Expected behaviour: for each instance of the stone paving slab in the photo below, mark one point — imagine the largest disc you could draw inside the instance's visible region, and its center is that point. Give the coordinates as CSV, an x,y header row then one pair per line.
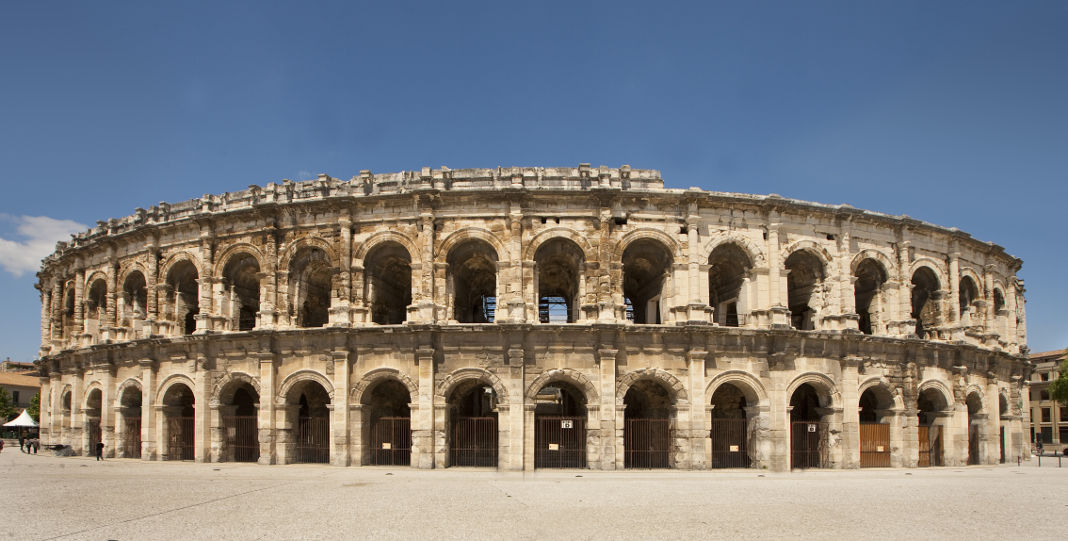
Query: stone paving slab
x,y
79,498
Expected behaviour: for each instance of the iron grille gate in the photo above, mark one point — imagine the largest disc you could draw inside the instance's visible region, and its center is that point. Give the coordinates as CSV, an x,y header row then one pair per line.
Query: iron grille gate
x,y
647,443
474,442
874,445
973,444
131,438
559,442
808,444
242,436
313,440
730,448
391,442
95,436
930,445
1001,441
180,438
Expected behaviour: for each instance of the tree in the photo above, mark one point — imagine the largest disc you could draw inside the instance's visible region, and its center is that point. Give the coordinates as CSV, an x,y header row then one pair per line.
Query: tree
x,y
1058,388
8,410
35,407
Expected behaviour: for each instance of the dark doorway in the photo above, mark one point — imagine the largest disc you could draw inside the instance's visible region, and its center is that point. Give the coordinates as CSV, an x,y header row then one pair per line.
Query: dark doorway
x,y
808,430
473,425
729,431
647,426
559,427
387,416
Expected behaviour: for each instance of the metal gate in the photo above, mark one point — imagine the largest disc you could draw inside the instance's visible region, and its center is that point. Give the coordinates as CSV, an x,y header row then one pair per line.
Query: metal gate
x,y
647,443
730,448
391,442
808,444
559,442
1002,442
131,438
95,436
973,444
313,440
242,436
474,442
180,438
874,445
930,446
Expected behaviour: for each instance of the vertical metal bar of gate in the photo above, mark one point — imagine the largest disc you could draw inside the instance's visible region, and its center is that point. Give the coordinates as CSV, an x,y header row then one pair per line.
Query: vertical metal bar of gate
x,y
874,445
180,438
930,443
474,442
242,437
808,444
730,448
559,442
313,440
1002,442
647,443
131,444
391,442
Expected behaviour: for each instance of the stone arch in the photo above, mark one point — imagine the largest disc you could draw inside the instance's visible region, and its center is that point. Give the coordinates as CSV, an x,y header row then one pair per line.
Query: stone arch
x,y
378,375
756,255
471,233
294,248
174,259
94,385
812,247
126,384
129,267
224,388
649,233
822,383
882,386
939,386
169,382
64,396
975,276
933,266
233,251
380,237
568,233
566,375
748,384
461,375
976,390
96,275
301,376
879,257
677,389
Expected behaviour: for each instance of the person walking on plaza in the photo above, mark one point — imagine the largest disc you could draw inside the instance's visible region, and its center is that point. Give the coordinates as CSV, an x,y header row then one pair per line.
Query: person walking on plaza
x,y
100,450
1,444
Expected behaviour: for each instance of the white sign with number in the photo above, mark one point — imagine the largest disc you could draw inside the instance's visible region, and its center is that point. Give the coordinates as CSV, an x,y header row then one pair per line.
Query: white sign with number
x,y
567,423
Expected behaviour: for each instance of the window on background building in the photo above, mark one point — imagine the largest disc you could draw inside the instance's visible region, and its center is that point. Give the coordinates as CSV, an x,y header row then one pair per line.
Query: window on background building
x,y
15,397
1046,415
1044,376
1047,434
1063,434
1043,395
1064,414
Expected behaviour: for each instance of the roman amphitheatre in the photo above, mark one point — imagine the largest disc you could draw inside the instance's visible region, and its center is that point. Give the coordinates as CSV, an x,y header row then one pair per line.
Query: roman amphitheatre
x,y
530,318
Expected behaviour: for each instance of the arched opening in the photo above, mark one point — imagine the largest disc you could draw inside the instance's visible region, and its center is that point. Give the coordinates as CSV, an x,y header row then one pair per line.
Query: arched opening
x,y
68,312
472,418
241,281
1003,414
975,424
96,304
803,281
999,301
646,269
559,427
130,413
64,406
647,431
558,277
730,428
240,422
809,430
134,298
310,284
387,425
925,302
473,280
308,411
388,268
931,407
93,412
967,293
875,415
728,269
183,303
870,277
178,411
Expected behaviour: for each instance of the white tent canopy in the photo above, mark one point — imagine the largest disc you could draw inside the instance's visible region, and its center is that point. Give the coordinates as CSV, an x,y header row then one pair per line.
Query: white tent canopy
x,y
23,419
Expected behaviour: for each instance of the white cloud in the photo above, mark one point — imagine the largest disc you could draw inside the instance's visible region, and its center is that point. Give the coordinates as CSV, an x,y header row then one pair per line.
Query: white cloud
x,y
36,238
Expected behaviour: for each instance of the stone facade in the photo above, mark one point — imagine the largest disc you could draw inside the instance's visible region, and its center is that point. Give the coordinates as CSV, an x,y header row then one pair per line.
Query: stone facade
x,y
484,308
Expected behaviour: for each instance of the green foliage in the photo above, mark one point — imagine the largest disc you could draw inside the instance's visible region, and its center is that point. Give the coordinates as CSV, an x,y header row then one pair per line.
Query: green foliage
x,y
1058,388
35,407
8,411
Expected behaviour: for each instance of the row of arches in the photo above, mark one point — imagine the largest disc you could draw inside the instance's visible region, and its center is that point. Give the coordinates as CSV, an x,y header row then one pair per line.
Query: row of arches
x,y
649,409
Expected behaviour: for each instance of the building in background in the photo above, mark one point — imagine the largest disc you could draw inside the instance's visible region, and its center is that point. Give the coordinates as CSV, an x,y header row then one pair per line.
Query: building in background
x,y
1049,418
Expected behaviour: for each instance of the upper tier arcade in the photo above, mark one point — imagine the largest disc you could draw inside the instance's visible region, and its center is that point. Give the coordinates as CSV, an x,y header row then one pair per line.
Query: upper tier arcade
x,y
522,246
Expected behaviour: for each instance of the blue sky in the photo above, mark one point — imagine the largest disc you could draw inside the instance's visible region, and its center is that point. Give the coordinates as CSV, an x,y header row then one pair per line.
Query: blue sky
x,y
950,112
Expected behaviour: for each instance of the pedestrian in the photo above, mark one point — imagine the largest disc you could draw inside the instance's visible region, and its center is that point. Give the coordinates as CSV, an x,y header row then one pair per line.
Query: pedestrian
x,y
22,444
1,444
100,450
36,445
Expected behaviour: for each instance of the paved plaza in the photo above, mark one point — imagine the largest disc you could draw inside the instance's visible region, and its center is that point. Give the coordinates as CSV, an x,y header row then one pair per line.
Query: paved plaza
x,y
48,497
